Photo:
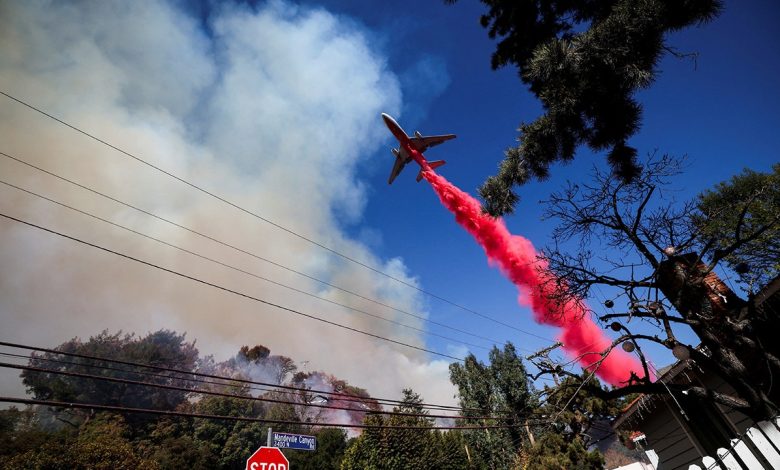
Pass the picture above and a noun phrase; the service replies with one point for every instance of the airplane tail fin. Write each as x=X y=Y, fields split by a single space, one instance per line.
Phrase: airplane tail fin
x=434 y=164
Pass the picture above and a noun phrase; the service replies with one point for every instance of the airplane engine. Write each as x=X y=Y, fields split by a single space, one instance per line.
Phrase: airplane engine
x=394 y=151
x=417 y=134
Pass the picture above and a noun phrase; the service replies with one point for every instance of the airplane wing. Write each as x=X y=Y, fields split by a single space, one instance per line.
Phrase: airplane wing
x=397 y=167
x=423 y=143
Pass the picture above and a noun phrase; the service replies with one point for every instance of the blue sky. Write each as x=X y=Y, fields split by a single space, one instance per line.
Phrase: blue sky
x=723 y=113
x=276 y=105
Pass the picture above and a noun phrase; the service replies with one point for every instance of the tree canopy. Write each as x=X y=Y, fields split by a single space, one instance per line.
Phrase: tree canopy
x=663 y=257
x=53 y=437
x=405 y=448
x=499 y=393
x=500 y=388
x=740 y=219
x=585 y=61
x=161 y=347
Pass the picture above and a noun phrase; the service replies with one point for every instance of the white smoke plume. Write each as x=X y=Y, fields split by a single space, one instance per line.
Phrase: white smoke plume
x=272 y=108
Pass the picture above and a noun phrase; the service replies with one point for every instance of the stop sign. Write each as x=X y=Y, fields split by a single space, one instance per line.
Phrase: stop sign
x=267 y=458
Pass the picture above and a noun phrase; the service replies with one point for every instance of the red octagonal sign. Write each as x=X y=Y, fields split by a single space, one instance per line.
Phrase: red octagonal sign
x=267 y=458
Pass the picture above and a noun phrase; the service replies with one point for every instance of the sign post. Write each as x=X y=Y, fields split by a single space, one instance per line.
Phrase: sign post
x=267 y=458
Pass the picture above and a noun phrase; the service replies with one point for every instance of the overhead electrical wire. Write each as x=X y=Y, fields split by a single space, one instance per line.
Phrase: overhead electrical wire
x=243 y=271
x=209 y=259
x=249 y=253
x=339 y=395
x=574 y=395
x=123 y=409
x=232 y=395
x=225 y=383
x=231 y=382
x=229 y=290
x=529 y=418
x=264 y=219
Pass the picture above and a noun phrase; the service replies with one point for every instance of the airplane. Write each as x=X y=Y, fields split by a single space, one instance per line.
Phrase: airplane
x=411 y=148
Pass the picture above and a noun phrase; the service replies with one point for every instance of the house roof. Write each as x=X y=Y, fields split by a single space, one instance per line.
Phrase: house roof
x=768 y=299
x=665 y=375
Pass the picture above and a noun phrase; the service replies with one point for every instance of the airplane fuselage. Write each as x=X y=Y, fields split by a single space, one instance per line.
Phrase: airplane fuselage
x=412 y=148
x=406 y=148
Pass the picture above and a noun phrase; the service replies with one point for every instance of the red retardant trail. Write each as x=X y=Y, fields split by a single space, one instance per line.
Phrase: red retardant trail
x=518 y=260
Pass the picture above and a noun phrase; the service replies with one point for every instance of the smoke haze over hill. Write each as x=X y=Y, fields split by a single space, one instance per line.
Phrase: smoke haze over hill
x=247 y=106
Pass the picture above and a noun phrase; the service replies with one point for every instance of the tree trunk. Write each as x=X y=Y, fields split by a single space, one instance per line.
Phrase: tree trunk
x=733 y=348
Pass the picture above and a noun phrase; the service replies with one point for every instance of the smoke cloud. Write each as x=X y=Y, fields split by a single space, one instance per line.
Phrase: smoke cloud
x=272 y=108
x=517 y=259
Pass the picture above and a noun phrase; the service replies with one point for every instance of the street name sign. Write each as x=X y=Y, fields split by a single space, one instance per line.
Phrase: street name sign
x=285 y=440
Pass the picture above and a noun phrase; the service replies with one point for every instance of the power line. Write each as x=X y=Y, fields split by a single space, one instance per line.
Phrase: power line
x=185 y=373
x=257 y=276
x=249 y=253
x=227 y=382
x=233 y=382
x=199 y=374
x=230 y=395
x=122 y=409
x=227 y=289
x=38 y=359
x=266 y=220
x=574 y=395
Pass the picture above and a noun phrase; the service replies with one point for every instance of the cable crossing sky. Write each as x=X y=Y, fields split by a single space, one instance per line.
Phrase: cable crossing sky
x=264 y=219
x=188 y=375
x=227 y=289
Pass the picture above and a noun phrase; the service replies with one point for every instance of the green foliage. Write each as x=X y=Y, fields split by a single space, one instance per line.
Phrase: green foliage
x=331 y=445
x=161 y=347
x=583 y=409
x=577 y=413
x=404 y=448
x=553 y=452
x=745 y=209
x=214 y=444
x=585 y=61
x=19 y=433
x=107 y=440
x=230 y=442
x=41 y=437
x=502 y=387
x=99 y=444
x=182 y=452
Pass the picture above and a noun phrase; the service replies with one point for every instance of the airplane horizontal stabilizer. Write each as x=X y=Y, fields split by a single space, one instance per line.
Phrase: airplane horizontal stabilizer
x=433 y=164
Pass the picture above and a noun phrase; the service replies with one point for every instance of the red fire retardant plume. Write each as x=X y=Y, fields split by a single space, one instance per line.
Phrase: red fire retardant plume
x=518 y=260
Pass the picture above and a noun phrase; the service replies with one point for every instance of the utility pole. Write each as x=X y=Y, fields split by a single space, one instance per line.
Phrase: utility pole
x=541 y=359
x=544 y=352
x=530 y=434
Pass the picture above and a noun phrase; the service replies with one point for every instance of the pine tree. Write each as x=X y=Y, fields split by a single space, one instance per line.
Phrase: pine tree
x=585 y=60
x=393 y=447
